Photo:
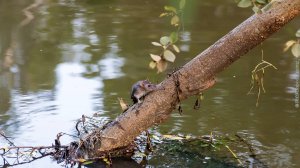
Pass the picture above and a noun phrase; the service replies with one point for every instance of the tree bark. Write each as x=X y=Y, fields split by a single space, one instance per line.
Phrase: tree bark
x=194 y=77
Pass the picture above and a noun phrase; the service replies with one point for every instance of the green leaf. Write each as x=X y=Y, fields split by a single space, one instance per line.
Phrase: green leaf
x=165 y=40
x=175 y=20
x=262 y=1
x=171 y=9
x=298 y=33
x=256 y=9
x=174 y=37
x=181 y=4
x=156 y=44
x=155 y=58
x=244 y=3
x=88 y=162
x=169 y=56
x=175 y=48
x=296 y=50
x=152 y=64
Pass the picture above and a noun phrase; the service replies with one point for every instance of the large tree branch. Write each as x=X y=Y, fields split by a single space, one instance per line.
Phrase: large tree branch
x=194 y=77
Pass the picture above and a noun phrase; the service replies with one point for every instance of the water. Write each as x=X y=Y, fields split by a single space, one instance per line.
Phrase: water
x=78 y=57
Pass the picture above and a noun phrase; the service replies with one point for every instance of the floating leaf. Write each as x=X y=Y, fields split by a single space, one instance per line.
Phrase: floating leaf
x=296 y=50
x=172 y=137
x=175 y=20
x=156 y=44
x=244 y=3
x=171 y=9
x=298 y=33
x=169 y=56
x=139 y=155
x=161 y=66
x=152 y=64
x=174 y=37
x=181 y=4
x=288 y=45
x=155 y=137
x=155 y=58
x=175 y=48
x=188 y=137
x=165 y=40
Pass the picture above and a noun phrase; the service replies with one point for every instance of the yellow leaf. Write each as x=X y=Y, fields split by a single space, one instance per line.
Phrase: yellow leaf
x=156 y=44
x=81 y=160
x=175 y=20
x=106 y=161
x=5 y=148
x=155 y=58
x=172 y=137
x=175 y=48
x=122 y=103
x=288 y=44
x=152 y=64
x=169 y=56
x=296 y=50
x=163 y=14
x=171 y=9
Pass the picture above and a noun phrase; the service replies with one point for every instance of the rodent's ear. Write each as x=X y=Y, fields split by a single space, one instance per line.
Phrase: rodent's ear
x=141 y=83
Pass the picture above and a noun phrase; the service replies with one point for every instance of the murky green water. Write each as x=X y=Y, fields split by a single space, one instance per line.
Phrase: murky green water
x=78 y=57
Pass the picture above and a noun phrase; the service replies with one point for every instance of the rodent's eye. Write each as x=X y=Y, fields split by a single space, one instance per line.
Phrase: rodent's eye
x=148 y=85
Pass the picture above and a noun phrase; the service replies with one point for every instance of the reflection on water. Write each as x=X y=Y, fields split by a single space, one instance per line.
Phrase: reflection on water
x=72 y=89
x=111 y=64
x=78 y=57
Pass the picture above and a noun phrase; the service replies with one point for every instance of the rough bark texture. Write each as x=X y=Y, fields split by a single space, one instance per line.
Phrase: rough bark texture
x=196 y=76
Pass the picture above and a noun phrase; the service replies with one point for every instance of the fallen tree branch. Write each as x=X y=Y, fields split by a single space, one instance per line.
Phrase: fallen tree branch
x=194 y=77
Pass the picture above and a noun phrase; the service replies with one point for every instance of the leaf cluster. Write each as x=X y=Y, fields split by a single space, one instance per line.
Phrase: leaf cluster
x=167 y=43
x=256 y=5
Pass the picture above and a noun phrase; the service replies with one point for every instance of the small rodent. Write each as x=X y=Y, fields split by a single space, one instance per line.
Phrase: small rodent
x=140 y=89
